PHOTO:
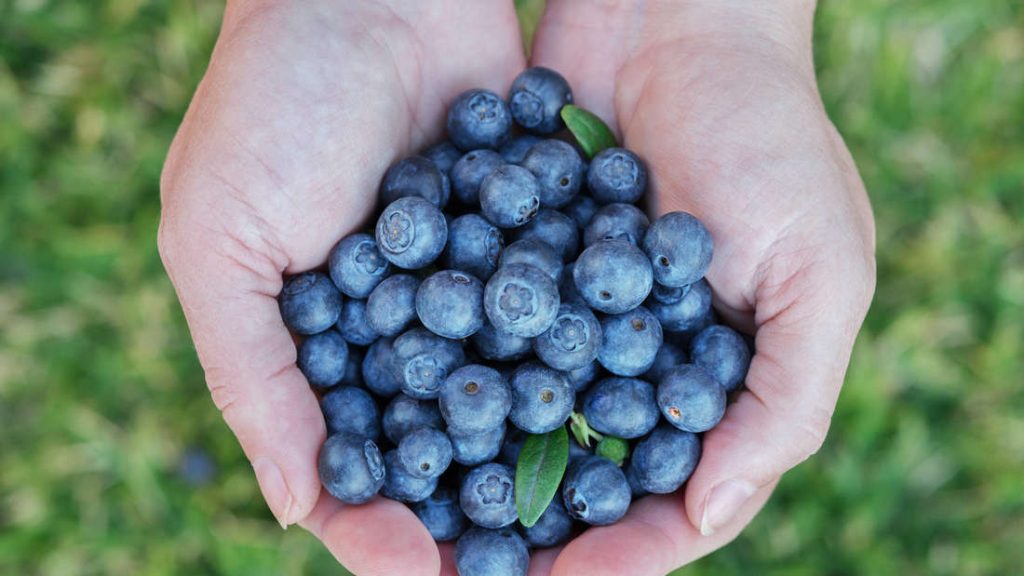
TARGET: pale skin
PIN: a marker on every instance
(305, 105)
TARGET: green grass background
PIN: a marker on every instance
(101, 396)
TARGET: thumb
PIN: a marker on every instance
(227, 286)
(806, 329)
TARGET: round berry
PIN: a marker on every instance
(309, 303)
(411, 232)
(479, 119)
(616, 175)
(356, 265)
(521, 299)
(350, 468)
(679, 247)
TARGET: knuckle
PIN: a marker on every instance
(225, 395)
(811, 433)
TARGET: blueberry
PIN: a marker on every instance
(581, 209)
(617, 221)
(621, 407)
(663, 461)
(631, 342)
(582, 378)
(402, 486)
(521, 299)
(478, 119)
(509, 196)
(351, 410)
(444, 155)
(559, 171)
(353, 326)
(572, 341)
(723, 353)
(552, 528)
(411, 232)
(513, 445)
(469, 172)
(515, 149)
(595, 491)
(691, 399)
(686, 309)
(487, 495)
(405, 414)
(441, 514)
(542, 398)
(554, 229)
(482, 552)
(475, 449)
(679, 247)
(493, 344)
(377, 374)
(322, 359)
(450, 303)
(425, 453)
(616, 175)
(534, 252)
(669, 356)
(415, 176)
(356, 265)
(536, 99)
(422, 360)
(474, 245)
(613, 276)
(475, 399)
(310, 303)
(392, 304)
(351, 468)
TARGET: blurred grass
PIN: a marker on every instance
(105, 421)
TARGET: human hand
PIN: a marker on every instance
(303, 107)
(720, 100)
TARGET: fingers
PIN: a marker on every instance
(379, 538)
(653, 539)
(807, 325)
(228, 294)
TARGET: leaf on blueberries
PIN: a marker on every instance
(590, 131)
(539, 471)
(614, 449)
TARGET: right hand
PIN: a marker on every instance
(303, 107)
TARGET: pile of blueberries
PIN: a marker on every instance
(508, 288)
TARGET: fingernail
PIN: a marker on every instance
(274, 489)
(722, 504)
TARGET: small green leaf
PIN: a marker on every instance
(539, 471)
(581, 430)
(590, 131)
(614, 449)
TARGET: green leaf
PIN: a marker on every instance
(581, 430)
(590, 131)
(539, 471)
(614, 449)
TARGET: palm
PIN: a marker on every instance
(301, 111)
(737, 136)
